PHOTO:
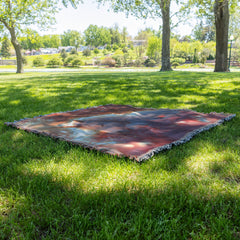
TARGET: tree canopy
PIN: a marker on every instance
(17, 15)
(97, 36)
(5, 49)
(145, 9)
(22, 13)
(220, 10)
(71, 38)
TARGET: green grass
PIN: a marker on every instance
(53, 190)
(8, 67)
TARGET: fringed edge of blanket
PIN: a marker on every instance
(185, 139)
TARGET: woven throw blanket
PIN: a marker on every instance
(126, 131)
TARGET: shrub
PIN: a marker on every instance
(63, 54)
(105, 52)
(195, 56)
(54, 62)
(150, 62)
(68, 60)
(203, 59)
(96, 50)
(131, 46)
(119, 60)
(86, 52)
(24, 60)
(97, 62)
(154, 48)
(115, 46)
(118, 52)
(74, 51)
(126, 59)
(175, 64)
(76, 62)
(109, 48)
(109, 61)
(178, 60)
(130, 63)
(211, 57)
(73, 61)
(38, 62)
(180, 54)
(138, 62)
(125, 50)
(122, 45)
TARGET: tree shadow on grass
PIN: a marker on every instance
(38, 95)
(68, 90)
(110, 198)
(42, 206)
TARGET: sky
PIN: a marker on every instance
(88, 13)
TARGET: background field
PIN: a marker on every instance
(53, 190)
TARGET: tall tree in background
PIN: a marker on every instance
(72, 38)
(51, 41)
(166, 33)
(205, 32)
(115, 35)
(33, 39)
(144, 34)
(144, 9)
(16, 15)
(221, 10)
(124, 35)
(97, 36)
(234, 25)
(5, 49)
(221, 13)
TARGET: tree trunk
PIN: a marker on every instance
(17, 48)
(221, 12)
(165, 8)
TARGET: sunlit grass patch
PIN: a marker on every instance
(54, 190)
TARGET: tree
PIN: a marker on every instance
(165, 9)
(221, 10)
(124, 35)
(205, 32)
(144, 9)
(31, 41)
(15, 15)
(97, 36)
(115, 35)
(234, 25)
(144, 35)
(72, 38)
(154, 48)
(51, 41)
(63, 54)
(5, 49)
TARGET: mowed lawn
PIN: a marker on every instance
(53, 190)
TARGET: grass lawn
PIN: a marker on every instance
(53, 190)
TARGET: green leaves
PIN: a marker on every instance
(21, 13)
(5, 49)
(71, 38)
(74, 3)
(97, 36)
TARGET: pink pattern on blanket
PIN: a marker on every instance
(123, 130)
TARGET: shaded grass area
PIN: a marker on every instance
(53, 190)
